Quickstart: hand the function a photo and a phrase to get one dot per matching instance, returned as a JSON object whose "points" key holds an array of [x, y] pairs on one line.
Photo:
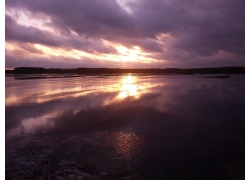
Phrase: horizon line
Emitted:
{"points": [[125, 68]]}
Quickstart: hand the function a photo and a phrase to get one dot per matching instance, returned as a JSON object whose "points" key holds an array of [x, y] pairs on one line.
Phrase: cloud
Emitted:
{"points": [[164, 28], [16, 32]]}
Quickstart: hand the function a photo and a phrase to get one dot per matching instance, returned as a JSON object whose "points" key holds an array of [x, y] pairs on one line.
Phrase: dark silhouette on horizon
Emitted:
{"points": [[214, 70]]}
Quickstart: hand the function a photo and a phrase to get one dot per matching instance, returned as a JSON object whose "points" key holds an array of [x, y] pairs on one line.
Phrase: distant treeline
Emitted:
{"points": [[216, 70]]}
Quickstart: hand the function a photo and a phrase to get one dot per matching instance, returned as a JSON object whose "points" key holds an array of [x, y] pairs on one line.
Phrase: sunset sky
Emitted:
{"points": [[124, 33]]}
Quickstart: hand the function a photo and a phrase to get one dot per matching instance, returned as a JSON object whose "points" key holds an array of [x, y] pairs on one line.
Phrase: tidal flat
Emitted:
{"points": [[129, 126]]}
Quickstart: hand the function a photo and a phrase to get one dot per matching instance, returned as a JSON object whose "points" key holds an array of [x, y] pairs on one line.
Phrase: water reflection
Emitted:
{"points": [[130, 88], [128, 145], [49, 102], [78, 93], [47, 90], [173, 121], [32, 125]]}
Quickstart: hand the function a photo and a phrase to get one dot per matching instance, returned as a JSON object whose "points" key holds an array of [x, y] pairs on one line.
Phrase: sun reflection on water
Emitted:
{"points": [[84, 92], [45, 91], [130, 88]]}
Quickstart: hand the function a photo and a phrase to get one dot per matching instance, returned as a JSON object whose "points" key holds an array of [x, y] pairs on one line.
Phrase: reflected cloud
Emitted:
{"points": [[44, 91], [32, 125], [46, 96], [37, 105]]}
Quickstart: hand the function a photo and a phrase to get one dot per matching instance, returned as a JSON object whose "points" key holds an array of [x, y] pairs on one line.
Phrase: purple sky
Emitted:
{"points": [[124, 33]]}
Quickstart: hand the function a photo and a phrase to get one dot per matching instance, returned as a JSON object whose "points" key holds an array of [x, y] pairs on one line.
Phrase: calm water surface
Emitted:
{"points": [[125, 127]]}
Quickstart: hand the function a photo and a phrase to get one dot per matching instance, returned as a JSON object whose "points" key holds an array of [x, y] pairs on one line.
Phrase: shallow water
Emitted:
{"points": [[125, 127]]}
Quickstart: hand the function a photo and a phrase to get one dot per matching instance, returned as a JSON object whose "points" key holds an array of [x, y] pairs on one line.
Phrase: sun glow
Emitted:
{"points": [[123, 55], [130, 88], [134, 54]]}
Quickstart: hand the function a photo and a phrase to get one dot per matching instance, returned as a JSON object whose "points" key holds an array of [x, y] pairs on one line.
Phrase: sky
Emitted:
{"points": [[124, 33]]}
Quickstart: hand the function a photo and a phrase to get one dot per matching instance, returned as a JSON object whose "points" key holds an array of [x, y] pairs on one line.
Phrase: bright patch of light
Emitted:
{"points": [[122, 50], [134, 54], [124, 5], [125, 55], [130, 88], [25, 18], [9, 46]]}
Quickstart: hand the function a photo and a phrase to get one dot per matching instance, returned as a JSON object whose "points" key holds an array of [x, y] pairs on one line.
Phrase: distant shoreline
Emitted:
{"points": [[39, 70]]}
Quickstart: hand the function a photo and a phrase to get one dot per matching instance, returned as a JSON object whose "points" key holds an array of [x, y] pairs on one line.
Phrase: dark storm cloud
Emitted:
{"points": [[196, 27], [199, 27], [90, 17], [17, 32], [14, 31]]}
